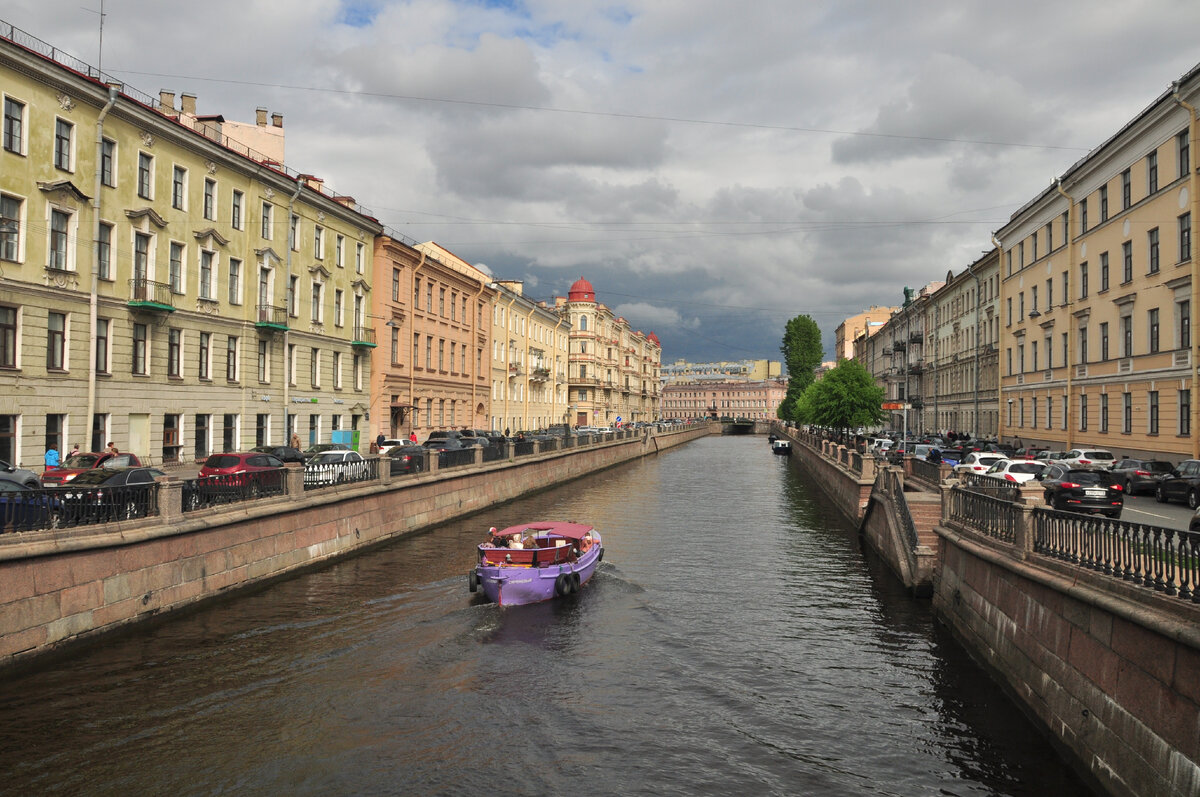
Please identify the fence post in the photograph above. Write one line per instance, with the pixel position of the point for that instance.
(295, 479)
(868, 469)
(385, 470)
(478, 456)
(170, 499)
(432, 460)
(947, 488)
(1024, 534)
(537, 448)
(510, 449)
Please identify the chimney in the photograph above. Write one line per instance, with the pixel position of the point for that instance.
(166, 100)
(277, 120)
(187, 103)
(260, 115)
(346, 201)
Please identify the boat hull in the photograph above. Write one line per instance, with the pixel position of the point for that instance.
(510, 585)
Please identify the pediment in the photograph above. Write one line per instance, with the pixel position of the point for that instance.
(361, 284)
(50, 186)
(142, 214)
(319, 269)
(268, 255)
(211, 234)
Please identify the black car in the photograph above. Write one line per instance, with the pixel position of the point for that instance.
(1082, 490)
(407, 459)
(284, 453)
(451, 440)
(1181, 484)
(25, 508)
(102, 494)
(1135, 475)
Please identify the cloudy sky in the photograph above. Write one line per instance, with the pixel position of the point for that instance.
(713, 168)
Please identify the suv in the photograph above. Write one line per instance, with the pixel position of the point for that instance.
(1088, 458)
(1181, 484)
(236, 464)
(1137, 474)
(451, 440)
(81, 463)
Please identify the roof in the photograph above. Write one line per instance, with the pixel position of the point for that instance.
(572, 531)
(581, 291)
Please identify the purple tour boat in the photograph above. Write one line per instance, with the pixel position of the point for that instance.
(535, 562)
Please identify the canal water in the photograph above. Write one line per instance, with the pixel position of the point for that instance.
(736, 640)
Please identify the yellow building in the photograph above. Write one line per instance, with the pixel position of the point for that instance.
(865, 324)
(163, 286)
(1098, 279)
(529, 362)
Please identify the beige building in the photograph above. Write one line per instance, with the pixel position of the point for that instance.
(757, 400)
(529, 361)
(748, 370)
(1098, 280)
(163, 286)
(614, 372)
(864, 324)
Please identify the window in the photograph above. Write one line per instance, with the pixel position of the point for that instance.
(108, 165)
(1021, 254)
(358, 375)
(203, 429)
(1083, 215)
(1103, 271)
(141, 262)
(1083, 345)
(1127, 336)
(1152, 408)
(428, 352)
(1103, 203)
(102, 359)
(1083, 280)
(1152, 172)
(10, 228)
(395, 345)
(1183, 319)
(317, 293)
(293, 228)
(1152, 323)
(1103, 340)
(338, 303)
(1083, 413)
(231, 359)
(1152, 249)
(210, 199)
(235, 281)
(229, 433)
(358, 257)
(1104, 412)
(395, 285)
(267, 222)
(1126, 190)
(1184, 400)
(56, 342)
(337, 370)
(314, 368)
(178, 187)
(264, 362)
(64, 137)
(205, 354)
(235, 210)
(104, 252)
(145, 186)
(1021, 306)
(1049, 413)
(176, 275)
(441, 354)
(291, 363)
(293, 283)
(174, 350)
(454, 306)
(1127, 262)
(429, 297)
(58, 255)
(1033, 356)
(319, 242)
(1127, 413)
(1033, 298)
(14, 126)
(1184, 155)
(442, 302)
(1185, 237)
(206, 275)
(139, 349)
(339, 251)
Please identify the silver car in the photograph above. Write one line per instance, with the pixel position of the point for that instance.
(19, 475)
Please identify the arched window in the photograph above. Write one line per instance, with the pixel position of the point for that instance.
(583, 323)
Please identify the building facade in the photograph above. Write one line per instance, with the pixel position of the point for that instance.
(614, 372)
(864, 324)
(735, 399)
(1098, 280)
(749, 370)
(163, 286)
(529, 362)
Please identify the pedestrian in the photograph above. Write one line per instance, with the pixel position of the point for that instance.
(295, 440)
(112, 448)
(506, 431)
(75, 450)
(412, 437)
(51, 457)
(379, 440)
(374, 448)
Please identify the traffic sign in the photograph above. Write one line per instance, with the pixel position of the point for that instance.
(895, 405)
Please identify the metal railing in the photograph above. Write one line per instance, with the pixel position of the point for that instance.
(523, 448)
(231, 488)
(894, 486)
(454, 459)
(408, 463)
(495, 453)
(990, 485)
(144, 290)
(927, 471)
(67, 507)
(1165, 560)
(987, 513)
(328, 474)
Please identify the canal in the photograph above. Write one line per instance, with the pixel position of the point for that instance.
(737, 639)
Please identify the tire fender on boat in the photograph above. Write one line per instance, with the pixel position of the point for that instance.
(473, 580)
(562, 585)
(600, 558)
(574, 582)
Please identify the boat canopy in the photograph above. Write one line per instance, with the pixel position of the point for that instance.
(572, 531)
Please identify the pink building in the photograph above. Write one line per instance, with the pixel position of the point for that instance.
(754, 400)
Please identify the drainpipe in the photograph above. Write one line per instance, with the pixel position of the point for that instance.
(287, 372)
(94, 298)
(525, 404)
(412, 377)
(978, 342)
(1070, 363)
(1194, 422)
(475, 328)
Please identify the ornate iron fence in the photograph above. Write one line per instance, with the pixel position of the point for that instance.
(453, 459)
(927, 471)
(990, 485)
(209, 491)
(987, 513)
(1165, 560)
(523, 448)
(328, 474)
(893, 486)
(67, 507)
(495, 453)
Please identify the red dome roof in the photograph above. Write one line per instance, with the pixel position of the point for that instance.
(581, 291)
(654, 339)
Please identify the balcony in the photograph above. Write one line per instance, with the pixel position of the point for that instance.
(916, 337)
(539, 374)
(363, 336)
(272, 318)
(916, 368)
(899, 345)
(147, 295)
(515, 370)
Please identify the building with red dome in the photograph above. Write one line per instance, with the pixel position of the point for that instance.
(613, 371)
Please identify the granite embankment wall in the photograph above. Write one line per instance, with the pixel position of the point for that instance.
(61, 586)
(1108, 669)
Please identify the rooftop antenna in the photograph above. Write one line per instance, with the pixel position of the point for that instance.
(100, 53)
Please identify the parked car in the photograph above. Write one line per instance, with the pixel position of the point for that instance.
(320, 448)
(407, 459)
(81, 463)
(1135, 475)
(977, 462)
(335, 466)
(25, 508)
(19, 475)
(389, 443)
(1073, 489)
(450, 440)
(1181, 484)
(283, 453)
(1049, 457)
(101, 495)
(251, 470)
(1089, 458)
(1016, 470)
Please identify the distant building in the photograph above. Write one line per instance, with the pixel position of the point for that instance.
(529, 361)
(757, 400)
(864, 324)
(749, 370)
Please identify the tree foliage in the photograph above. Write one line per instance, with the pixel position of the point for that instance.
(802, 352)
(846, 397)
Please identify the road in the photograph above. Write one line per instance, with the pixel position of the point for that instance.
(1144, 509)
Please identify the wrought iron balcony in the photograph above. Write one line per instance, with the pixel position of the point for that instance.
(147, 295)
(271, 317)
(364, 336)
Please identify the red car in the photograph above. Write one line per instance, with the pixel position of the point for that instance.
(81, 463)
(248, 462)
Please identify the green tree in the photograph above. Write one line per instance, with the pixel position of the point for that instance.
(846, 397)
(802, 352)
